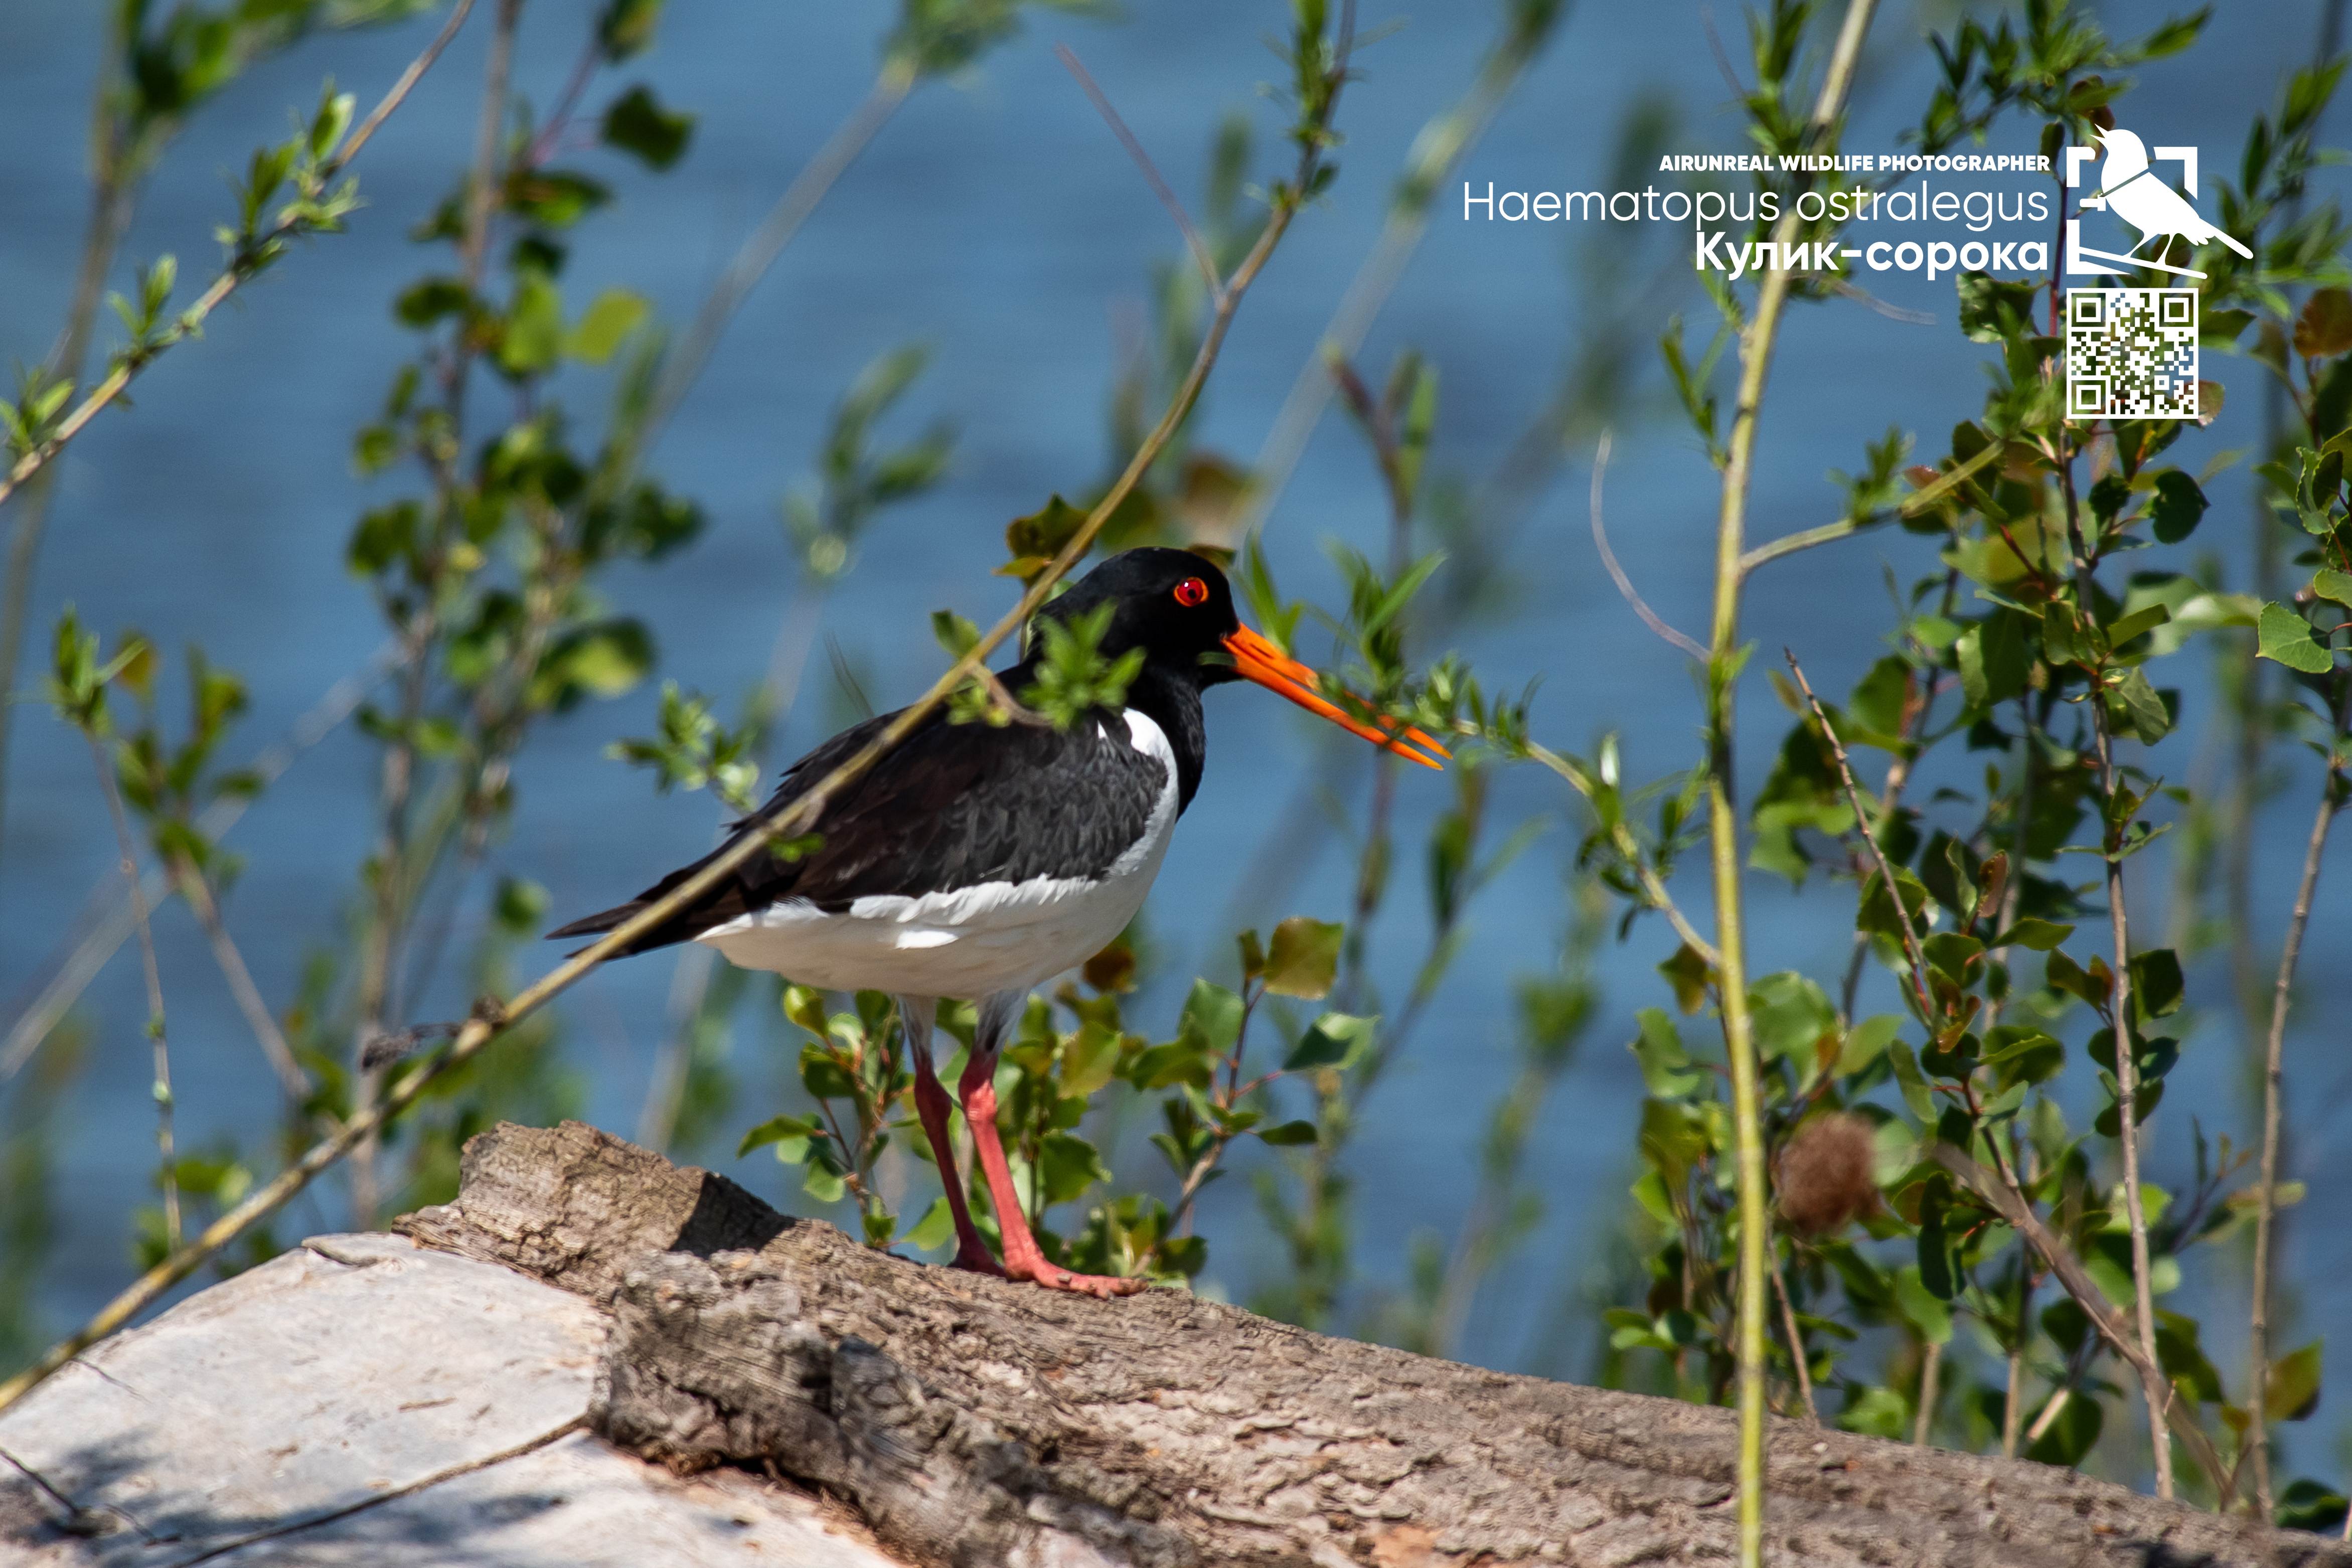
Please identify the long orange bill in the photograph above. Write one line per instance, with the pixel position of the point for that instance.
(1259, 660)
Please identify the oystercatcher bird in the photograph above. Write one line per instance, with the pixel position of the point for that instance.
(977, 861)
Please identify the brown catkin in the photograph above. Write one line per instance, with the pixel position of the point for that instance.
(1825, 1174)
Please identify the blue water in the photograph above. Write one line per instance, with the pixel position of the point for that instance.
(997, 221)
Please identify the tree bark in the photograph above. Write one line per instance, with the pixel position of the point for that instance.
(977, 1422)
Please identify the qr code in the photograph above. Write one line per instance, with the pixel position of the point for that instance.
(2131, 353)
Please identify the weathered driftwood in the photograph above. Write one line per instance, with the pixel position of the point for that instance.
(974, 1421)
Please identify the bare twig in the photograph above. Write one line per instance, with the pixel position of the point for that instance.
(1796, 1342)
(106, 923)
(1650, 617)
(2258, 1337)
(797, 818)
(1192, 240)
(1654, 889)
(1436, 153)
(2154, 1386)
(196, 889)
(168, 1172)
(1931, 1361)
(2001, 1192)
(684, 365)
(238, 271)
(1919, 501)
(1911, 950)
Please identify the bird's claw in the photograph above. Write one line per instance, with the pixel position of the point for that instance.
(1102, 1287)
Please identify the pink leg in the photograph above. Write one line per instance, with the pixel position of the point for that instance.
(1024, 1260)
(932, 1104)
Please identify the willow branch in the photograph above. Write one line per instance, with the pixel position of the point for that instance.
(788, 821)
(1928, 495)
(683, 366)
(2005, 1199)
(1650, 617)
(161, 1086)
(1911, 950)
(1723, 823)
(1436, 153)
(1192, 240)
(244, 266)
(2258, 1339)
(106, 922)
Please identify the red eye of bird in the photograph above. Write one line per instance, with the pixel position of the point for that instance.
(1192, 592)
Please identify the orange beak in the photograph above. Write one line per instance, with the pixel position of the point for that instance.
(1258, 661)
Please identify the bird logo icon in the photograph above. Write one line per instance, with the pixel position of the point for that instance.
(2131, 189)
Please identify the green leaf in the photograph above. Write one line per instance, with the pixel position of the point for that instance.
(1666, 1068)
(2307, 1504)
(616, 313)
(1931, 1317)
(2330, 583)
(2286, 637)
(2325, 326)
(429, 300)
(1068, 1165)
(1335, 1039)
(2179, 503)
(625, 27)
(2156, 982)
(789, 1134)
(823, 1077)
(637, 124)
(1288, 1134)
(1867, 1041)
(2146, 619)
(932, 1231)
(534, 327)
(2292, 1391)
(2144, 710)
(1211, 1019)
(2041, 935)
(955, 632)
(1303, 958)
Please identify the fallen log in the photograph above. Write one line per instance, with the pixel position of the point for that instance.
(972, 1421)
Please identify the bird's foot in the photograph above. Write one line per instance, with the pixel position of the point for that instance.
(1053, 1276)
(977, 1259)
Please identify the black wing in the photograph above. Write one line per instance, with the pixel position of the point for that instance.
(951, 805)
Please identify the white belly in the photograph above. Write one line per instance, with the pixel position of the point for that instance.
(970, 943)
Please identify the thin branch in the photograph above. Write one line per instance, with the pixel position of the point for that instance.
(1192, 239)
(2154, 1386)
(1911, 950)
(196, 889)
(1445, 140)
(1930, 1363)
(490, 1017)
(106, 922)
(684, 365)
(2258, 1338)
(1913, 505)
(1796, 1342)
(1654, 888)
(1893, 312)
(1725, 863)
(240, 269)
(1650, 617)
(2000, 1192)
(162, 1083)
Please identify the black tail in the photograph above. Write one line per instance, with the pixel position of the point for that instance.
(606, 919)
